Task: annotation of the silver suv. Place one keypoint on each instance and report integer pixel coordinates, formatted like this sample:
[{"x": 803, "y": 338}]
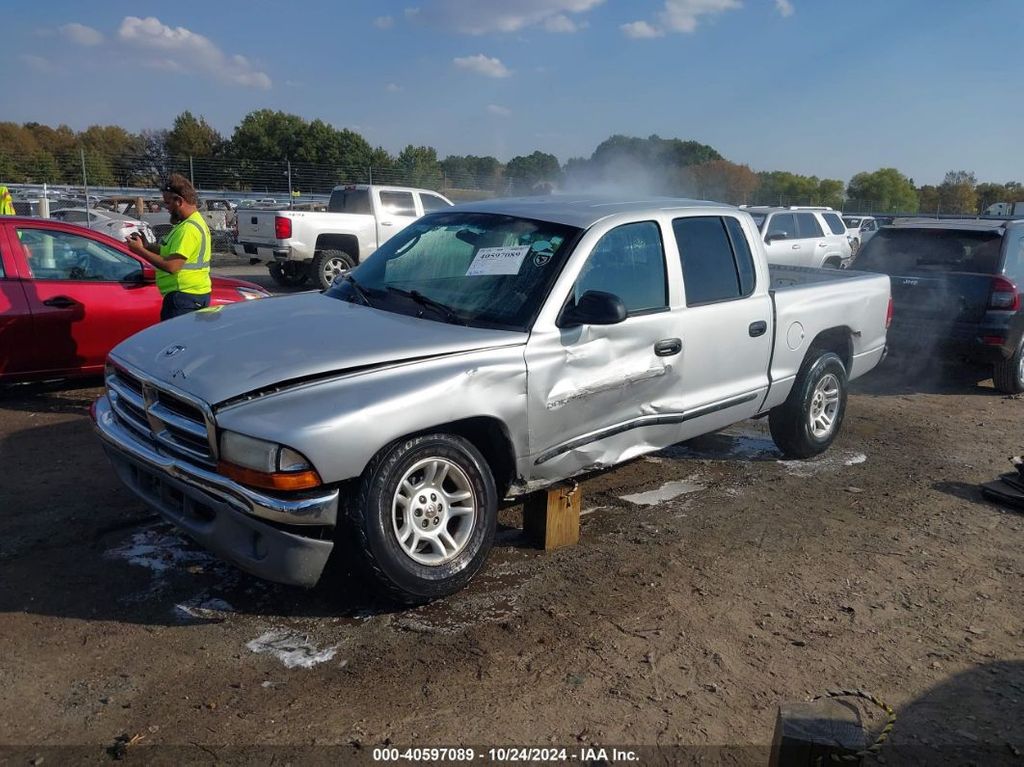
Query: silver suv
[{"x": 799, "y": 236}]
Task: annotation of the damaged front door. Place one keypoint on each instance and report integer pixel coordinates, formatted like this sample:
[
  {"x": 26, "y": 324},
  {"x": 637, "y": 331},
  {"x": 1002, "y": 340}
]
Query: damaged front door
[{"x": 599, "y": 394}]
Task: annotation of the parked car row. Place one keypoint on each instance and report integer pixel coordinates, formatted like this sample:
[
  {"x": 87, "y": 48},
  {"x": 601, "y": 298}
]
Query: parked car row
[{"x": 803, "y": 236}]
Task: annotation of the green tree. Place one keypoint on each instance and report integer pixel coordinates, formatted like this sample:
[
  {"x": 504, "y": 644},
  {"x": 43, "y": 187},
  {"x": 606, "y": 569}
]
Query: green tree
[
  {"x": 533, "y": 173},
  {"x": 928, "y": 199},
  {"x": 779, "y": 187},
  {"x": 886, "y": 189},
  {"x": 190, "y": 136},
  {"x": 472, "y": 172},
  {"x": 420, "y": 167},
  {"x": 957, "y": 192}
]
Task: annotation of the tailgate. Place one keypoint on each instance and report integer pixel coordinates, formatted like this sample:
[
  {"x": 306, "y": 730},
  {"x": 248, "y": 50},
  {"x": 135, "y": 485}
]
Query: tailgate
[
  {"x": 257, "y": 226},
  {"x": 949, "y": 297}
]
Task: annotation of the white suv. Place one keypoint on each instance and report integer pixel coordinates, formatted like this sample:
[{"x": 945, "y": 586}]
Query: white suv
[
  {"x": 860, "y": 229},
  {"x": 799, "y": 236}
]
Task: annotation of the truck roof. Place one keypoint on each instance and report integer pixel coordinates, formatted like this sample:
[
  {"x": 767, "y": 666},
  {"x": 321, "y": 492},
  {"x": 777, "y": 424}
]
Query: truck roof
[
  {"x": 583, "y": 211},
  {"x": 970, "y": 224}
]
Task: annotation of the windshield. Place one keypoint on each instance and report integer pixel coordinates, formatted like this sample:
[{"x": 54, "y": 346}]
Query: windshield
[
  {"x": 917, "y": 251},
  {"x": 488, "y": 270}
]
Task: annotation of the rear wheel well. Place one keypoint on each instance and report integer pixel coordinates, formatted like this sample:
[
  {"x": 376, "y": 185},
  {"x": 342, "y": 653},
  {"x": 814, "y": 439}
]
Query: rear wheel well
[
  {"x": 347, "y": 243},
  {"x": 833, "y": 262},
  {"x": 838, "y": 340}
]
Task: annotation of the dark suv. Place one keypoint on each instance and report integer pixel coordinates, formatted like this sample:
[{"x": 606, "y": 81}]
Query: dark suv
[{"x": 956, "y": 289}]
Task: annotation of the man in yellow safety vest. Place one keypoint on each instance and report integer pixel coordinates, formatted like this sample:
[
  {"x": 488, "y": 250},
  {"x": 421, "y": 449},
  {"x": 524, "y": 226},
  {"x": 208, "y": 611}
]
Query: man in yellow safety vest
[
  {"x": 6, "y": 203},
  {"x": 182, "y": 259}
]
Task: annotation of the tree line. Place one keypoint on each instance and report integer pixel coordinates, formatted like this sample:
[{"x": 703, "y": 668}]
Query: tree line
[{"x": 267, "y": 144}]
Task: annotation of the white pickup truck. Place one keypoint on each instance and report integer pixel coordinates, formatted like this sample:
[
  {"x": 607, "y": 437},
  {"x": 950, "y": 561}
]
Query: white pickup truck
[
  {"x": 489, "y": 350},
  {"x": 300, "y": 245}
]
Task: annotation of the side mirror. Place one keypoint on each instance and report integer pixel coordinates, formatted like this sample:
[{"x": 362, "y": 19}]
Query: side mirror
[
  {"x": 595, "y": 307},
  {"x": 148, "y": 274},
  {"x": 776, "y": 236}
]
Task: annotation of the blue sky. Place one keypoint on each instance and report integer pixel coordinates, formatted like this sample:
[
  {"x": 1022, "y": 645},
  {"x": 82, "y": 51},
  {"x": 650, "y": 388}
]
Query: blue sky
[{"x": 819, "y": 87}]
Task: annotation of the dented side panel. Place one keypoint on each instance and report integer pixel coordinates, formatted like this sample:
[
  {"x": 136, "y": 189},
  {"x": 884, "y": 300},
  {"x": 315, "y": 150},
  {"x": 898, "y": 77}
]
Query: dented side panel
[{"x": 340, "y": 424}]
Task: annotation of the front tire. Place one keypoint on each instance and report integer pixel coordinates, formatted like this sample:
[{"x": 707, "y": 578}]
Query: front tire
[
  {"x": 1008, "y": 374},
  {"x": 809, "y": 420},
  {"x": 425, "y": 517},
  {"x": 328, "y": 265}
]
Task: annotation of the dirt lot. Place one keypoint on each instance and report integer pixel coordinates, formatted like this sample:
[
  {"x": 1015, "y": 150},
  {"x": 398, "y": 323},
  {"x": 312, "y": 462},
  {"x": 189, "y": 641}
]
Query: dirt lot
[{"x": 713, "y": 582}]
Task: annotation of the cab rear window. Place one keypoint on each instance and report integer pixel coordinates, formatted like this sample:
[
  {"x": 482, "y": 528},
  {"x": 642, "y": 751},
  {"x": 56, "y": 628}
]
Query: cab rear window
[{"x": 349, "y": 201}]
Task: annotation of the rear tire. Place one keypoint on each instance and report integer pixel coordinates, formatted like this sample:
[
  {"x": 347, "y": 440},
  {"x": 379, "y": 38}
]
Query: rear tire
[
  {"x": 289, "y": 277},
  {"x": 424, "y": 517},
  {"x": 328, "y": 265},
  {"x": 1008, "y": 374},
  {"x": 809, "y": 420}
]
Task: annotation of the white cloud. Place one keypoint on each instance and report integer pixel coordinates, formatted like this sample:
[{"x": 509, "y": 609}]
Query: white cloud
[
  {"x": 38, "y": 64},
  {"x": 81, "y": 34},
  {"x": 384, "y": 22},
  {"x": 640, "y": 30},
  {"x": 785, "y": 8},
  {"x": 473, "y": 17},
  {"x": 482, "y": 65},
  {"x": 560, "y": 23},
  {"x": 501, "y": 111},
  {"x": 393, "y": 88},
  {"x": 680, "y": 16},
  {"x": 191, "y": 51}
]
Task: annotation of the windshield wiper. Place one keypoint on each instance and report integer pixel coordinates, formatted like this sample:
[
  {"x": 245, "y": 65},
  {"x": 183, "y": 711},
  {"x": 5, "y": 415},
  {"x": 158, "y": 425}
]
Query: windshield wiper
[
  {"x": 358, "y": 289},
  {"x": 448, "y": 313}
]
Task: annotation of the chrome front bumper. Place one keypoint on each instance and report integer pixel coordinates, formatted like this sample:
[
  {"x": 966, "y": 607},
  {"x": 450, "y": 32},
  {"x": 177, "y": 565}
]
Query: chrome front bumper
[{"x": 229, "y": 519}]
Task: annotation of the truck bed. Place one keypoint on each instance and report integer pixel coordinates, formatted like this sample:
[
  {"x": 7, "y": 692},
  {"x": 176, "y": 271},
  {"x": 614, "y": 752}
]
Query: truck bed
[{"x": 808, "y": 301}]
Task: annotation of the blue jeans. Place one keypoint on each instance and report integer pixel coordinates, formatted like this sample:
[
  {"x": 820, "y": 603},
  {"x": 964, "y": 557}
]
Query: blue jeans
[{"x": 177, "y": 303}]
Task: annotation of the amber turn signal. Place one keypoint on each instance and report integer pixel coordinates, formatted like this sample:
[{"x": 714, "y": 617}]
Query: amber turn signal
[{"x": 280, "y": 480}]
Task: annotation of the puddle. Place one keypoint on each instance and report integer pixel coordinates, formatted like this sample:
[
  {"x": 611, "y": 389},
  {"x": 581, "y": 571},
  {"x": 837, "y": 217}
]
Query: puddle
[
  {"x": 666, "y": 492},
  {"x": 741, "y": 442},
  {"x": 293, "y": 649}
]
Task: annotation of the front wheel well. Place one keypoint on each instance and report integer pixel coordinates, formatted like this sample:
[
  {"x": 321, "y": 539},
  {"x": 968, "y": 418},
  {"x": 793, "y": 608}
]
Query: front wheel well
[{"x": 488, "y": 435}]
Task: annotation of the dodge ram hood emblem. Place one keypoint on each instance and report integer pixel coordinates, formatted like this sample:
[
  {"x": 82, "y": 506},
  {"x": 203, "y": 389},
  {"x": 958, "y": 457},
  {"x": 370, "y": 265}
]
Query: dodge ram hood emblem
[{"x": 170, "y": 351}]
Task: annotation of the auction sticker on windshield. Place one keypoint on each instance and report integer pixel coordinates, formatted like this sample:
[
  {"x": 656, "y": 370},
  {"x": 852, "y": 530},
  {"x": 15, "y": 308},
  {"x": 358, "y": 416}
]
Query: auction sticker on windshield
[{"x": 492, "y": 261}]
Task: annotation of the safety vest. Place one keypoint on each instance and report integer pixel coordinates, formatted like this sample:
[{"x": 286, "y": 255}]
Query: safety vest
[
  {"x": 191, "y": 239},
  {"x": 6, "y": 203}
]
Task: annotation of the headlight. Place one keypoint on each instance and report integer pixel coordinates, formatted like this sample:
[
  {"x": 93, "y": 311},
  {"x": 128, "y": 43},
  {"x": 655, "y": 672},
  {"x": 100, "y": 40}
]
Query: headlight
[
  {"x": 249, "y": 294},
  {"x": 259, "y": 463}
]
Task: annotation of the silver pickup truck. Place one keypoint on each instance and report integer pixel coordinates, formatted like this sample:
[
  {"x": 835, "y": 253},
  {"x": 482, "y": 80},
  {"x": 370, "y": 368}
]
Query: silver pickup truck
[{"x": 485, "y": 351}]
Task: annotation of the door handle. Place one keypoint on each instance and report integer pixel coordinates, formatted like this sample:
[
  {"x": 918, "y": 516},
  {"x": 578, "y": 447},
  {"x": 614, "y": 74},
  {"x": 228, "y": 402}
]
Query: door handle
[
  {"x": 822, "y": 244},
  {"x": 757, "y": 328},
  {"x": 796, "y": 247},
  {"x": 60, "y": 302},
  {"x": 386, "y": 223},
  {"x": 666, "y": 347}
]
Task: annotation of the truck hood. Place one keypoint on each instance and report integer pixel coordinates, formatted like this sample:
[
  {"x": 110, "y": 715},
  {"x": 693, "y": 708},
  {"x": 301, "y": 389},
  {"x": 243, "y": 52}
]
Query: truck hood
[{"x": 225, "y": 352}]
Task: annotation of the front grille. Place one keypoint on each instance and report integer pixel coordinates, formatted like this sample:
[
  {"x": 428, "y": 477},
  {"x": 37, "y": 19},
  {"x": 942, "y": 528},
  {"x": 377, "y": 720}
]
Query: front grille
[{"x": 164, "y": 419}]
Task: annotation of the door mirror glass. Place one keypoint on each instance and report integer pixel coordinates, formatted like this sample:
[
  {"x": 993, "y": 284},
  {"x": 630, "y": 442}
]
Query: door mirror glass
[{"x": 595, "y": 307}]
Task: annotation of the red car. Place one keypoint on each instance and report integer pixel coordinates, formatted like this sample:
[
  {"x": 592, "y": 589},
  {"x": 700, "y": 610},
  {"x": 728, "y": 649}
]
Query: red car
[{"x": 68, "y": 295}]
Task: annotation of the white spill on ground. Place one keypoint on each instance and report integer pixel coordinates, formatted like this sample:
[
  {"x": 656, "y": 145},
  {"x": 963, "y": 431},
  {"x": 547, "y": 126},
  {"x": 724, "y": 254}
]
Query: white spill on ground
[
  {"x": 666, "y": 492},
  {"x": 159, "y": 550},
  {"x": 293, "y": 649},
  {"x": 204, "y": 608},
  {"x": 828, "y": 462}
]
